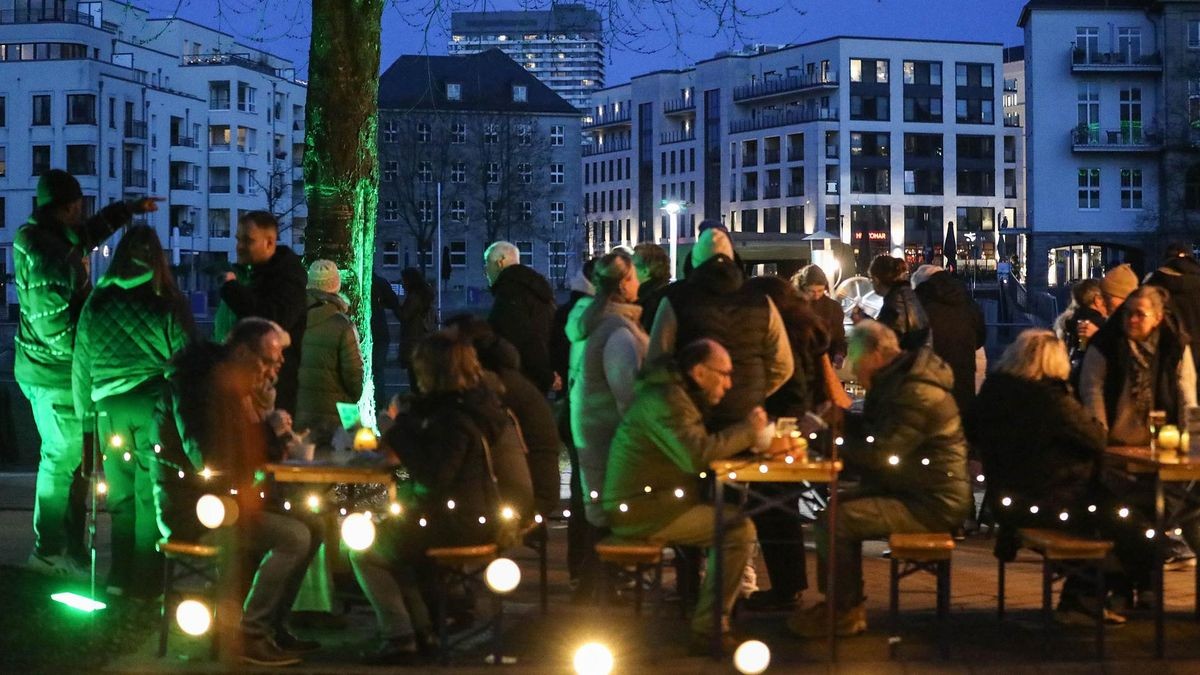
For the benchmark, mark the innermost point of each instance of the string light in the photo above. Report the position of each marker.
(1178, 531)
(101, 488)
(1063, 516)
(870, 439)
(358, 531)
(314, 502)
(1091, 508)
(1007, 501)
(502, 575)
(704, 474)
(732, 475)
(482, 520)
(979, 478)
(287, 506)
(762, 468)
(395, 508)
(789, 459)
(752, 658)
(342, 511)
(812, 436)
(157, 449)
(1123, 512)
(422, 522)
(193, 617)
(116, 441)
(206, 473)
(537, 518)
(595, 495)
(924, 461)
(1033, 509)
(450, 504)
(839, 441)
(1149, 534)
(647, 489)
(507, 513)
(893, 460)
(181, 474)
(679, 493)
(624, 507)
(127, 456)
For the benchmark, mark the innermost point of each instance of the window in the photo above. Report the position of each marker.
(491, 133)
(973, 74)
(556, 174)
(524, 134)
(1129, 44)
(558, 260)
(869, 107)
(526, 210)
(391, 254)
(1089, 188)
(977, 182)
(1193, 34)
(526, 249)
(389, 131)
(557, 134)
(81, 109)
(424, 132)
(3, 161)
(41, 110)
(870, 180)
(458, 254)
(493, 211)
(458, 210)
(218, 223)
(453, 91)
(390, 169)
(391, 211)
(3, 111)
(869, 70)
(493, 173)
(923, 72)
(923, 182)
(557, 212)
(458, 133)
(976, 219)
(520, 93)
(1087, 42)
(526, 172)
(977, 148)
(870, 144)
(218, 96)
(41, 159)
(831, 144)
(81, 160)
(922, 108)
(975, 111)
(1131, 188)
(425, 172)
(425, 210)
(458, 172)
(246, 95)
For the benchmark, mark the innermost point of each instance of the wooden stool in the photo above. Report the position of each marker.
(924, 552)
(640, 554)
(1063, 554)
(537, 537)
(196, 560)
(463, 563)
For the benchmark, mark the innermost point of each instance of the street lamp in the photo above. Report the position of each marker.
(673, 207)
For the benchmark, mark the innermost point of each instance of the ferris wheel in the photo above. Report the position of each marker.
(858, 292)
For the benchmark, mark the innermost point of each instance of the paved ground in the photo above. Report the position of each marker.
(655, 642)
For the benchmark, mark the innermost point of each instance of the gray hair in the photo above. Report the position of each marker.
(922, 274)
(1157, 296)
(502, 250)
(1036, 354)
(873, 337)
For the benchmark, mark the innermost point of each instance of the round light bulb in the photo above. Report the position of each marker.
(752, 657)
(193, 617)
(314, 502)
(893, 460)
(358, 531)
(210, 510)
(395, 508)
(502, 575)
(1033, 509)
(679, 493)
(116, 441)
(507, 513)
(593, 659)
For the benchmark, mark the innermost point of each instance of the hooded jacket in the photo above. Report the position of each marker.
(910, 414)
(522, 313)
(331, 364)
(560, 342)
(275, 290)
(126, 337)
(650, 294)
(52, 284)
(663, 443)
(903, 313)
(1181, 278)
(958, 330)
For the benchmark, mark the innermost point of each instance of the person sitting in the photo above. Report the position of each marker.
(1044, 471)
(908, 446)
(661, 445)
(446, 441)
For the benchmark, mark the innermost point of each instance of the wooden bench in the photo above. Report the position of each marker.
(462, 563)
(638, 553)
(929, 552)
(186, 560)
(537, 537)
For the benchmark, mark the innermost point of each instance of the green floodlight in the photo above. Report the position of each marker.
(79, 602)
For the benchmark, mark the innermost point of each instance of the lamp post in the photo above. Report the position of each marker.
(673, 207)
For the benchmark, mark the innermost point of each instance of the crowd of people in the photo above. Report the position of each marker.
(652, 380)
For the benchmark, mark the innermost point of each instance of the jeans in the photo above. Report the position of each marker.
(285, 545)
(859, 519)
(695, 528)
(130, 499)
(394, 593)
(61, 493)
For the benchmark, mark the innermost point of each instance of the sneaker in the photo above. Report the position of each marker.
(262, 651)
(814, 621)
(55, 566)
(771, 601)
(291, 643)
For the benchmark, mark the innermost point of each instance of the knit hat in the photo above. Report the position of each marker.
(1119, 282)
(57, 187)
(922, 274)
(323, 276)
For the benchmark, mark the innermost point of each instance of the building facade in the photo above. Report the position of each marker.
(563, 46)
(481, 147)
(894, 146)
(133, 106)
(1115, 176)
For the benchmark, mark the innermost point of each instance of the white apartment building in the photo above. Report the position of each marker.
(883, 143)
(1112, 92)
(563, 46)
(133, 105)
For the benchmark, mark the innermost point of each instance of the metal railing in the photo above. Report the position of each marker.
(677, 136)
(1081, 58)
(242, 60)
(782, 119)
(135, 129)
(48, 15)
(785, 85)
(184, 142)
(135, 178)
(679, 105)
(1115, 139)
(595, 121)
(605, 148)
(183, 184)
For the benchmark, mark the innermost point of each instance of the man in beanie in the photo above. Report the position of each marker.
(52, 277)
(331, 365)
(270, 284)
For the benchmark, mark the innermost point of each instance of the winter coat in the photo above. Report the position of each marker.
(834, 318)
(663, 443)
(535, 416)
(383, 300)
(560, 344)
(613, 355)
(522, 313)
(710, 303)
(1039, 445)
(958, 330)
(903, 313)
(275, 290)
(910, 414)
(126, 337)
(1181, 278)
(331, 365)
(650, 294)
(416, 321)
(576, 333)
(807, 387)
(52, 283)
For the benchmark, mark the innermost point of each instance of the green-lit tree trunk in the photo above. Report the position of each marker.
(341, 166)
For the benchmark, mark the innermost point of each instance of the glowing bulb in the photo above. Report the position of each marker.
(193, 617)
(507, 513)
(287, 505)
(1007, 501)
(1092, 508)
(395, 508)
(1178, 531)
(924, 461)
(839, 441)
(314, 502)
(752, 657)
(762, 468)
(502, 575)
(181, 474)
(566, 513)
(979, 478)
(127, 456)
(593, 659)
(789, 459)
(647, 489)
(537, 518)
(206, 473)
(101, 488)
(704, 474)
(1033, 509)
(157, 449)
(679, 493)
(595, 495)
(870, 439)
(732, 475)
(1063, 516)
(364, 439)
(893, 460)
(812, 436)
(1123, 512)
(624, 508)
(482, 520)
(358, 531)
(450, 504)
(422, 522)
(342, 511)
(116, 441)
(1149, 534)
(212, 510)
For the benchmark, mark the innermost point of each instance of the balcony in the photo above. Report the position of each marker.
(608, 120)
(222, 189)
(831, 187)
(1115, 140)
(783, 86)
(183, 184)
(771, 191)
(750, 193)
(242, 60)
(606, 148)
(681, 105)
(1012, 120)
(50, 15)
(135, 178)
(135, 130)
(184, 142)
(783, 119)
(1114, 62)
(677, 136)
(750, 160)
(795, 155)
(218, 147)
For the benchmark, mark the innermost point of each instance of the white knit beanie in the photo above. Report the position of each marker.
(323, 276)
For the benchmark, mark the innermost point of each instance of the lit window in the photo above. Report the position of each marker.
(520, 93)
(453, 91)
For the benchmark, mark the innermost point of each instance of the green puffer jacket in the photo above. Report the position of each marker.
(662, 443)
(52, 283)
(331, 364)
(911, 416)
(126, 337)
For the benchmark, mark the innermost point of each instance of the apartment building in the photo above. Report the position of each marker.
(134, 105)
(891, 145)
(562, 46)
(1113, 105)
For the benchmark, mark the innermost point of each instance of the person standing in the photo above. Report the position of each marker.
(416, 317)
(270, 285)
(814, 285)
(331, 363)
(956, 326)
(901, 311)
(523, 311)
(1180, 276)
(654, 275)
(52, 279)
(383, 300)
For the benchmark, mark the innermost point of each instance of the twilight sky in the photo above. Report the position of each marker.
(646, 39)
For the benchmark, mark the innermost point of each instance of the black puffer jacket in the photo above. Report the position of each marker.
(522, 313)
(902, 312)
(1181, 277)
(958, 330)
(275, 290)
(649, 295)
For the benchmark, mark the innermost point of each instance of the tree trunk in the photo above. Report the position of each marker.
(341, 166)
